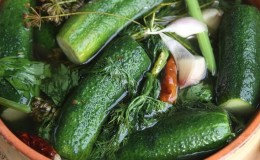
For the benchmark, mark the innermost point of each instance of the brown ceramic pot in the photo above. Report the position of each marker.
(245, 147)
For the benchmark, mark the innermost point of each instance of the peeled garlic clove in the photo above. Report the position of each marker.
(183, 27)
(177, 50)
(186, 27)
(212, 18)
(191, 71)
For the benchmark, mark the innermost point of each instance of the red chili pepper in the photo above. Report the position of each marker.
(38, 144)
(169, 87)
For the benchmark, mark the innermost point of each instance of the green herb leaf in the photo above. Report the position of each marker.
(59, 83)
(24, 75)
(140, 113)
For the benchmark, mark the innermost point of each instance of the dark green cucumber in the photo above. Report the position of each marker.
(45, 38)
(84, 35)
(87, 107)
(15, 38)
(180, 135)
(238, 82)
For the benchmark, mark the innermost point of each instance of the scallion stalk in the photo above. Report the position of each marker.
(203, 38)
(11, 104)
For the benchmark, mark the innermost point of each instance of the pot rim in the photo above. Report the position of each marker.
(18, 144)
(240, 140)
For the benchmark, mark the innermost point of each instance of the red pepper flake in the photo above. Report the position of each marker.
(39, 144)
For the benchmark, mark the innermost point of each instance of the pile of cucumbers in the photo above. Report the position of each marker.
(114, 68)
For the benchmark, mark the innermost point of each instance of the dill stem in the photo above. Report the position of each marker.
(82, 13)
(160, 62)
(64, 2)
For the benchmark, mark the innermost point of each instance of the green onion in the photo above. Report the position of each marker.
(203, 38)
(11, 104)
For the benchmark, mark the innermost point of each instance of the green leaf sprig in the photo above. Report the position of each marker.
(24, 75)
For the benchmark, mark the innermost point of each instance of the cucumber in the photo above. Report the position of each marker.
(45, 39)
(238, 81)
(180, 136)
(15, 38)
(82, 36)
(86, 109)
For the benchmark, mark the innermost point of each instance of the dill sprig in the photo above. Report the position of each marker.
(56, 7)
(59, 7)
(32, 19)
(44, 113)
(116, 71)
(57, 11)
(53, 10)
(142, 112)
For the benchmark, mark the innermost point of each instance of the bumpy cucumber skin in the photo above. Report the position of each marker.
(86, 109)
(84, 35)
(239, 75)
(180, 135)
(15, 38)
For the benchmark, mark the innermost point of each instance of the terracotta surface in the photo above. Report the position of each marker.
(244, 147)
(11, 148)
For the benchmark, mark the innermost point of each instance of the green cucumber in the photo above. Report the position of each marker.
(180, 136)
(238, 81)
(15, 38)
(45, 39)
(84, 112)
(82, 36)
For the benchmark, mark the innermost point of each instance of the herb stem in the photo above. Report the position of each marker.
(78, 13)
(11, 104)
(203, 38)
(64, 2)
(160, 62)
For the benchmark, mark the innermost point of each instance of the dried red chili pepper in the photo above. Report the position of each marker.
(38, 144)
(169, 84)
